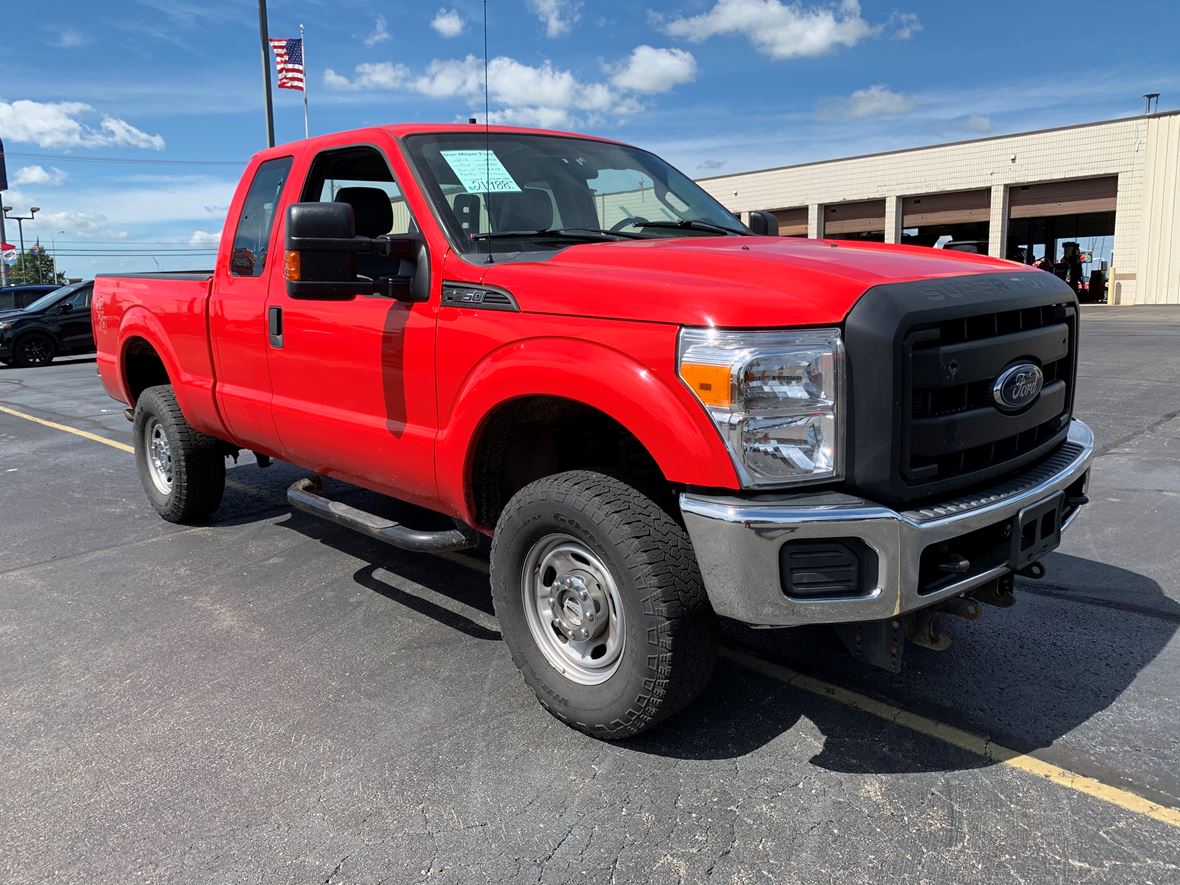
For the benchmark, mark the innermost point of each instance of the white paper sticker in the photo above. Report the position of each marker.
(480, 171)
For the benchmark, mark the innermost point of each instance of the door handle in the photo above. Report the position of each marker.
(274, 323)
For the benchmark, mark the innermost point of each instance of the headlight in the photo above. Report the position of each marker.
(775, 397)
(5, 325)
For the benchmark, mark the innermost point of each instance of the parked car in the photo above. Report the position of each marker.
(20, 297)
(659, 415)
(56, 324)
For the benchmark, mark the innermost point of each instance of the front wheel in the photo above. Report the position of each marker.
(33, 349)
(182, 470)
(601, 604)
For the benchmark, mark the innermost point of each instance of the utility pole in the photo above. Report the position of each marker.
(264, 36)
(3, 188)
(20, 219)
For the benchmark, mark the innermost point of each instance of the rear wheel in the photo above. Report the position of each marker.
(182, 471)
(601, 604)
(33, 349)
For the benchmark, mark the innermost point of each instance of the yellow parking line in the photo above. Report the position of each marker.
(123, 447)
(85, 434)
(957, 737)
(949, 734)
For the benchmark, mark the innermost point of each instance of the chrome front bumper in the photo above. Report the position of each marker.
(737, 541)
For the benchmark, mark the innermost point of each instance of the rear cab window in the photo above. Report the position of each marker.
(252, 237)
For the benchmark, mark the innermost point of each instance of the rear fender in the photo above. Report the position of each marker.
(194, 393)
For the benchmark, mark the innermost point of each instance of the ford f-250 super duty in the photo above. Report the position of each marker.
(660, 415)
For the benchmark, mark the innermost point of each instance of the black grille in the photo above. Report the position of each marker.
(923, 357)
(953, 427)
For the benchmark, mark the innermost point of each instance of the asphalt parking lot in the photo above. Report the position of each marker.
(269, 698)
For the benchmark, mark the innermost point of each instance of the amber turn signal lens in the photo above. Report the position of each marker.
(291, 267)
(709, 383)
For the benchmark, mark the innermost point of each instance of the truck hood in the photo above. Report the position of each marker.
(723, 281)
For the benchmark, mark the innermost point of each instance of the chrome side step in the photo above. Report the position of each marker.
(304, 496)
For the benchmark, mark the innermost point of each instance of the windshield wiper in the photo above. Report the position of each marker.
(691, 224)
(558, 233)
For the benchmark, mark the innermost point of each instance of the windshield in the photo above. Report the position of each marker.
(549, 192)
(56, 295)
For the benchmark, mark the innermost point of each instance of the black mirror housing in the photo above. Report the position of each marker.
(764, 224)
(320, 247)
(321, 244)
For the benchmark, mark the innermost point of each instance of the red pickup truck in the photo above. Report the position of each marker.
(660, 416)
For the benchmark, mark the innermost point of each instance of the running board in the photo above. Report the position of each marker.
(304, 496)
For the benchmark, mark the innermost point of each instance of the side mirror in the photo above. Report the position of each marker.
(764, 224)
(65, 307)
(320, 263)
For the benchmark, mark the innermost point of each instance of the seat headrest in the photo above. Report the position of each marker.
(370, 207)
(529, 209)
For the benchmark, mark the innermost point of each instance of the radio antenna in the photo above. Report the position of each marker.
(487, 134)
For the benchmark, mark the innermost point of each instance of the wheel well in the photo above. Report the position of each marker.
(531, 437)
(142, 368)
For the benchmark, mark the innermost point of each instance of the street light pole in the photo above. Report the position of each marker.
(20, 227)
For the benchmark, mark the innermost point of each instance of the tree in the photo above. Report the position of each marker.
(30, 268)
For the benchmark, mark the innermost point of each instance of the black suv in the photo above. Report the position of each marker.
(20, 297)
(55, 324)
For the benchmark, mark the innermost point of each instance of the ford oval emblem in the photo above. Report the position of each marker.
(1017, 386)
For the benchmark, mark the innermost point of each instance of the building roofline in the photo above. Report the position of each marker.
(927, 147)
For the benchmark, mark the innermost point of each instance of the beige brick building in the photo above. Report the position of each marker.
(1115, 183)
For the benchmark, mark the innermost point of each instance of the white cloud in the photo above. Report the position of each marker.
(558, 16)
(370, 75)
(205, 238)
(36, 174)
(875, 101)
(70, 38)
(540, 95)
(978, 123)
(83, 225)
(906, 24)
(448, 23)
(785, 30)
(648, 69)
(63, 124)
(380, 33)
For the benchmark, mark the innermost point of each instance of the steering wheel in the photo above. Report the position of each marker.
(628, 222)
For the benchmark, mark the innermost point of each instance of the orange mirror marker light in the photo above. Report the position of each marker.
(709, 383)
(291, 267)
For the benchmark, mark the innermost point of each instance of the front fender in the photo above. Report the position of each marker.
(657, 409)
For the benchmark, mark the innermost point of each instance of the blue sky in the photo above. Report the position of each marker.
(715, 86)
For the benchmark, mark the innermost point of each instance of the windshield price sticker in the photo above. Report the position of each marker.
(480, 172)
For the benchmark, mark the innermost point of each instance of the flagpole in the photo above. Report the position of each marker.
(264, 34)
(303, 44)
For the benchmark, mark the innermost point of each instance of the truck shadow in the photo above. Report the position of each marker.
(1023, 677)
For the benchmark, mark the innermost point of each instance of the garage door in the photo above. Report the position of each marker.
(854, 218)
(792, 222)
(1063, 197)
(959, 207)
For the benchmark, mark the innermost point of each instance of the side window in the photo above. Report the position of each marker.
(360, 176)
(80, 300)
(252, 237)
(7, 300)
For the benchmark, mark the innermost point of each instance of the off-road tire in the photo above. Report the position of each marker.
(197, 460)
(670, 630)
(22, 356)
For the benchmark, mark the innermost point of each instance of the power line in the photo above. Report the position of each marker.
(128, 161)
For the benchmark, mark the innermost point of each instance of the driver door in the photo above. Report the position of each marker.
(354, 380)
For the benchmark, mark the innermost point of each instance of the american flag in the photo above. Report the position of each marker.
(289, 61)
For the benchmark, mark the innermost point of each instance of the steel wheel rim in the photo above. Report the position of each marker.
(159, 456)
(35, 350)
(574, 609)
